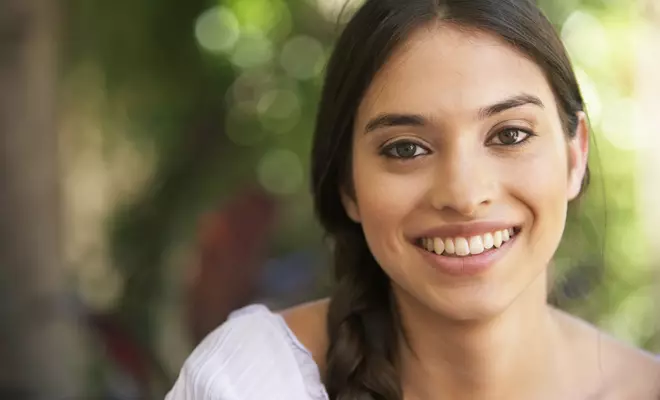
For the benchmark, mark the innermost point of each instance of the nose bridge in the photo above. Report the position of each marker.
(462, 181)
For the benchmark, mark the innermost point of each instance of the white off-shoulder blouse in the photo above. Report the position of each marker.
(252, 356)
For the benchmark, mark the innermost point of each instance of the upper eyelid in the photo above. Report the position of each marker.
(405, 140)
(515, 124)
(520, 124)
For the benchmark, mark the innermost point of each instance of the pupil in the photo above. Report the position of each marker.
(406, 150)
(509, 137)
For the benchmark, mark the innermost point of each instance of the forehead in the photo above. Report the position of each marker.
(451, 70)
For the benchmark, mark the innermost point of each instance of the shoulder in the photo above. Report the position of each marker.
(623, 371)
(632, 373)
(253, 339)
(308, 322)
(255, 330)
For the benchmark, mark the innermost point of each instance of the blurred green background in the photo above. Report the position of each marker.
(183, 135)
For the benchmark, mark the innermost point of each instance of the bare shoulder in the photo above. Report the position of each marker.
(308, 322)
(623, 371)
(634, 373)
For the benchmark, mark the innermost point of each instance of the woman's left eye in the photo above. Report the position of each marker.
(511, 137)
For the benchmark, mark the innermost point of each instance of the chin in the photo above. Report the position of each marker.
(472, 307)
(466, 303)
(481, 300)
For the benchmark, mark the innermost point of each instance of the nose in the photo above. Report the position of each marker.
(462, 185)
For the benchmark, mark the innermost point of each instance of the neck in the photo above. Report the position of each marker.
(508, 356)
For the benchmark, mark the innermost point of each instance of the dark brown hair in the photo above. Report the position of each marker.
(362, 321)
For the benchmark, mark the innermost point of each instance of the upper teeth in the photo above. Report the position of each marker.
(462, 246)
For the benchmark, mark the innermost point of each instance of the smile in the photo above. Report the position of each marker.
(467, 255)
(468, 246)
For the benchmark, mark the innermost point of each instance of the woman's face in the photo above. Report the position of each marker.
(457, 144)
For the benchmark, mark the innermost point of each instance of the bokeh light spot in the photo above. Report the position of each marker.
(248, 89)
(266, 16)
(280, 172)
(217, 29)
(253, 49)
(337, 10)
(279, 110)
(586, 39)
(302, 57)
(622, 125)
(631, 319)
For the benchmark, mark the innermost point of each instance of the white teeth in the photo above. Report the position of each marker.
(462, 247)
(497, 239)
(438, 246)
(476, 245)
(488, 241)
(449, 246)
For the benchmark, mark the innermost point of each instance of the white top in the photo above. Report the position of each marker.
(252, 356)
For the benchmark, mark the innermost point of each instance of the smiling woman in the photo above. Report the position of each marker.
(451, 138)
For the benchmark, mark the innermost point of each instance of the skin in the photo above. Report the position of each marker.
(492, 335)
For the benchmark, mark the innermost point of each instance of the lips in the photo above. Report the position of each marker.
(467, 249)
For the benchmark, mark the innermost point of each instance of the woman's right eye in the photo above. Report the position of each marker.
(404, 150)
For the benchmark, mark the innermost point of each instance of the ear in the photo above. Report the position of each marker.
(350, 205)
(578, 153)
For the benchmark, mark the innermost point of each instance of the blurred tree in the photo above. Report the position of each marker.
(36, 334)
(176, 97)
(151, 56)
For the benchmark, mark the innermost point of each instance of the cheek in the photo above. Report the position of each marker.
(542, 186)
(385, 201)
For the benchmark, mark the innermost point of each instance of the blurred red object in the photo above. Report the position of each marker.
(123, 350)
(231, 251)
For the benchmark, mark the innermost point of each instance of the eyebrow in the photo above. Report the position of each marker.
(391, 120)
(414, 120)
(507, 104)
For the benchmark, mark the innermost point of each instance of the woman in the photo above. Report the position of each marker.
(450, 139)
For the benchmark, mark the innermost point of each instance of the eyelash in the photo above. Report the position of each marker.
(388, 149)
(529, 134)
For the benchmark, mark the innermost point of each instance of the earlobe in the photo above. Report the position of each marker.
(578, 153)
(350, 205)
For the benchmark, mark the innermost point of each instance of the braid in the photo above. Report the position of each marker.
(361, 327)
